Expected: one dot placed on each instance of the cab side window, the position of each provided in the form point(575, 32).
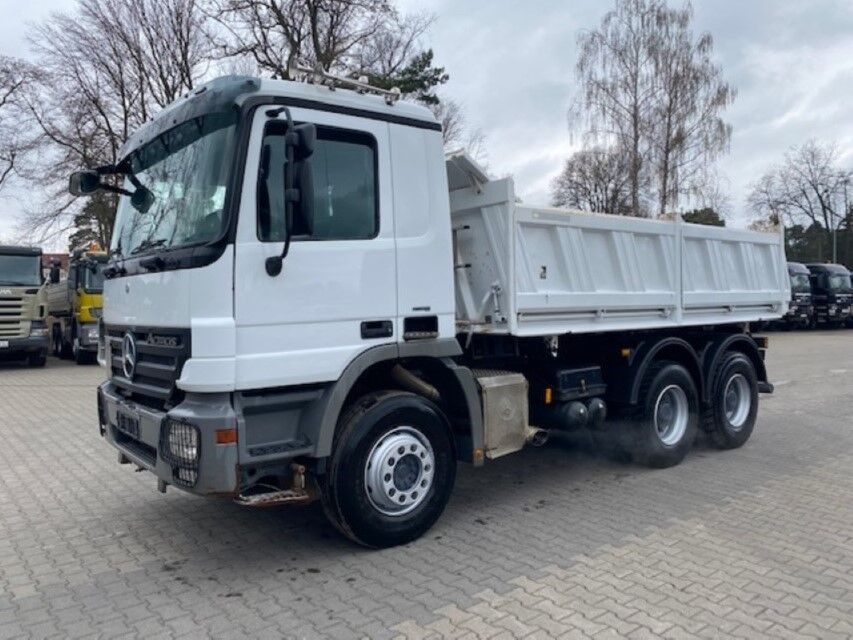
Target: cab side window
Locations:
point(346, 194)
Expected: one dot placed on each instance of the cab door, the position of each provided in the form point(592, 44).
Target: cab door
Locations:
point(336, 295)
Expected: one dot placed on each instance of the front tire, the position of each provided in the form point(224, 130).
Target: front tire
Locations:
point(391, 471)
point(37, 360)
point(663, 429)
point(730, 419)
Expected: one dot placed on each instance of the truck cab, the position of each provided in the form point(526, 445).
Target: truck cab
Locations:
point(832, 293)
point(23, 333)
point(75, 305)
point(801, 308)
point(305, 299)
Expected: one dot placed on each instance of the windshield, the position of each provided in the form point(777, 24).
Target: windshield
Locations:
point(186, 172)
point(24, 271)
point(800, 283)
point(839, 282)
point(93, 281)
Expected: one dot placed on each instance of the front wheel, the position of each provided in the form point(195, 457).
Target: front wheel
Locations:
point(391, 471)
point(37, 360)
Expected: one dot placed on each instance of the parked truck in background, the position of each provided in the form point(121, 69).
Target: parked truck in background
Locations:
point(75, 305)
point(305, 299)
point(832, 293)
point(801, 306)
point(23, 333)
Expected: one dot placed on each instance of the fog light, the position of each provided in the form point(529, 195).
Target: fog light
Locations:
point(180, 447)
point(183, 443)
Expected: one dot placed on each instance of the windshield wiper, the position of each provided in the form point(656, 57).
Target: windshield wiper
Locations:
point(145, 245)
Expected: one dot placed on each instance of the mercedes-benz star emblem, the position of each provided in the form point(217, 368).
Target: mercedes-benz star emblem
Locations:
point(128, 355)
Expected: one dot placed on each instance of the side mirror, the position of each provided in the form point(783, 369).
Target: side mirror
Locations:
point(306, 136)
point(54, 274)
point(84, 183)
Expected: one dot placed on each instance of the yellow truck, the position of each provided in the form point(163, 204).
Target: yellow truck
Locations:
point(74, 306)
point(23, 333)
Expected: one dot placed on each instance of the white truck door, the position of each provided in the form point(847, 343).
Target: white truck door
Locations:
point(337, 293)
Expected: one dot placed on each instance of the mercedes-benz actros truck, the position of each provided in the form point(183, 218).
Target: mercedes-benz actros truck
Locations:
point(305, 299)
point(23, 333)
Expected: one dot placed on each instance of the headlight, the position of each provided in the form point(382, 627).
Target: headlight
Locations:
point(180, 447)
point(38, 329)
point(96, 312)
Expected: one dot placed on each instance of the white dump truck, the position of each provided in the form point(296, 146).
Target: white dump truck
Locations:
point(306, 299)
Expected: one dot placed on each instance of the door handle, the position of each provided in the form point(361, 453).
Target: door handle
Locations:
point(376, 329)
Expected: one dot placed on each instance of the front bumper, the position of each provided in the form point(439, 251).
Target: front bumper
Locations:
point(834, 313)
point(799, 313)
point(88, 337)
point(217, 463)
point(29, 345)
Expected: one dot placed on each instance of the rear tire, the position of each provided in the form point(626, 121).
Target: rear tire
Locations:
point(376, 495)
point(730, 418)
point(664, 426)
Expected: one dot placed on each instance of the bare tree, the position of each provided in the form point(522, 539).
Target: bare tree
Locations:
point(355, 37)
point(809, 188)
point(615, 68)
point(686, 132)
point(593, 180)
point(652, 91)
point(14, 76)
point(103, 71)
point(456, 131)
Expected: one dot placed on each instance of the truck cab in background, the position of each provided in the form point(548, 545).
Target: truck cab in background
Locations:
point(801, 309)
point(75, 305)
point(832, 293)
point(23, 333)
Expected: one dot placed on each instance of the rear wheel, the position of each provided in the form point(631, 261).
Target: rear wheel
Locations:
point(663, 428)
point(730, 418)
point(391, 471)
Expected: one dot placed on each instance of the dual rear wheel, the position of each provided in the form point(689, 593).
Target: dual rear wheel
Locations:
point(661, 430)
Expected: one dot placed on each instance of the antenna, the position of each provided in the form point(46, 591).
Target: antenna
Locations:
point(301, 72)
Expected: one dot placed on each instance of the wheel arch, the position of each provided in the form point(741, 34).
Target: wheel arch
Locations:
point(716, 350)
point(670, 348)
point(370, 371)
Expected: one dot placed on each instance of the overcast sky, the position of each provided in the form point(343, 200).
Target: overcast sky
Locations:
point(512, 66)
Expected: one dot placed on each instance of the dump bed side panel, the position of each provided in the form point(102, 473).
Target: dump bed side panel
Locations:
point(539, 271)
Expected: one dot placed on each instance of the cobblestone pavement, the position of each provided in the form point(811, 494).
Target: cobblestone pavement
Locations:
point(756, 542)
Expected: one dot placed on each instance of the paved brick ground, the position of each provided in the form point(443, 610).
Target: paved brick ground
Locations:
point(556, 542)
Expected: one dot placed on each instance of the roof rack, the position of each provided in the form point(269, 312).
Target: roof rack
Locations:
point(302, 72)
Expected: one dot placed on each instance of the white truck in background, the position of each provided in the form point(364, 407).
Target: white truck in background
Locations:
point(305, 299)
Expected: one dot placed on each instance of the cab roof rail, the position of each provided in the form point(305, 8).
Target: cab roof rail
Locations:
point(302, 72)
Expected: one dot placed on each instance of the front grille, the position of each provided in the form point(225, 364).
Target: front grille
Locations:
point(12, 324)
point(160, 357)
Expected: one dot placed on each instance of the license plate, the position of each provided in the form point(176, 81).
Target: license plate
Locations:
point(4, 344)
point(127, 421)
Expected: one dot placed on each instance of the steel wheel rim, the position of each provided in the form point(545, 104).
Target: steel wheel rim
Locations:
point(399, 471)
point(672, 414)
point(737, 401)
